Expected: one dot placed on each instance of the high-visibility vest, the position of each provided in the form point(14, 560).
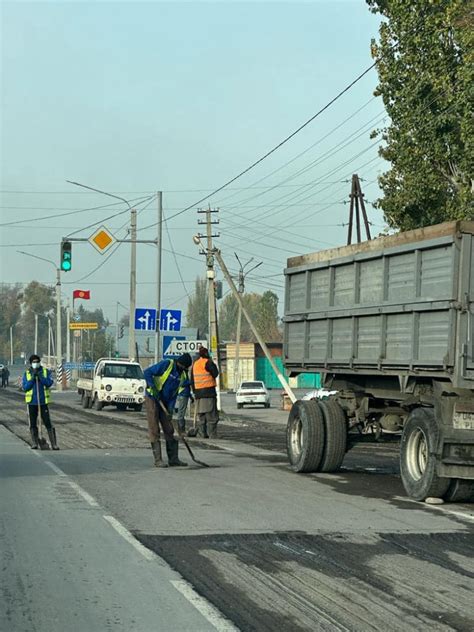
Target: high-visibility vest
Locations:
point(29, 394)
point(159, 380)
point(202, 378)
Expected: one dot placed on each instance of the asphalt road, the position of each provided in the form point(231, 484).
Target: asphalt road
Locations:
point(268, 549)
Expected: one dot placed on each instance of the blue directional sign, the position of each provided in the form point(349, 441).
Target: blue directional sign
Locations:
point(170, 320)
point(168, 351)
point(145, 319)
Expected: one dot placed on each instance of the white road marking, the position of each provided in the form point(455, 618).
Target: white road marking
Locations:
point(207, 610)
point(55, 468)
point(442, 508)
point(125, 533)
point(90, 500)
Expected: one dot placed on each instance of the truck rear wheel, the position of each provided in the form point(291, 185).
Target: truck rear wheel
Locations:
point(335, 446)
point(305, 436)
point(417, 456)
point(460, 491)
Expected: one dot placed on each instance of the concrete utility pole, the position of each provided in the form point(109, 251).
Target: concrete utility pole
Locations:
point(211, 275)
point(158, 275)
point(36, 333)
point(11, 344)
point(133, 284)
point(241, 290)
point(259, 338)
point(68, 334)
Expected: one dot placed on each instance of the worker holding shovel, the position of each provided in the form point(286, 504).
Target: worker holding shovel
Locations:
point(164, 381)
point(37, 381)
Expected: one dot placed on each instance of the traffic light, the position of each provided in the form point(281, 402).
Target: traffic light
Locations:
point(120, 331)
point(218, 288)
point(66, 256)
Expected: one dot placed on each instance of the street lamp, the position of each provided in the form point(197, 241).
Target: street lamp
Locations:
point(59, 358)
point(133, 262)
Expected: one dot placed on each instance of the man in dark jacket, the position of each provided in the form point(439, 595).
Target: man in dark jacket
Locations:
point(36, 383)
point(204, 384)
point(164, 381)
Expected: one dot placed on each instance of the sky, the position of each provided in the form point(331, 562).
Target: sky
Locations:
point(137, 97)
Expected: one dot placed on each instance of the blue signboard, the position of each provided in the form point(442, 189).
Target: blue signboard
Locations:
point(145, 319)
point(167, 351)
point(170, 320)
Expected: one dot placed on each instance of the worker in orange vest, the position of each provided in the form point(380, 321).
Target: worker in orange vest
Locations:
point(203, 381)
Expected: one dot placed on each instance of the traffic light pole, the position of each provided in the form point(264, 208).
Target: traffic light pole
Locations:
point(59, 342)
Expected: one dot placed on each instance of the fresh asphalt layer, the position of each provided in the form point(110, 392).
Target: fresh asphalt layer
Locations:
point(270, 549)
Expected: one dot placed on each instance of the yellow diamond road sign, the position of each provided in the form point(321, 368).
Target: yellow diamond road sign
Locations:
point(102, 240)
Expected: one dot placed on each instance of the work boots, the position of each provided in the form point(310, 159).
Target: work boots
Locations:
point(34, 438)
point(52, 438)
point(212, 429)
point(156, 447)
point(172, 451)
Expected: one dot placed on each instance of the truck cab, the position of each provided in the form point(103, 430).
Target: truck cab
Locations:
point(115, 382)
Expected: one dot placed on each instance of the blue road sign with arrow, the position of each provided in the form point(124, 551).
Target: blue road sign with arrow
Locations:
point(170, 320)
point(145, 319)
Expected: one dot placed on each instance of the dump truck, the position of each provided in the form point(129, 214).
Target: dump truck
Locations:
point(114, 382)
point(389, 325)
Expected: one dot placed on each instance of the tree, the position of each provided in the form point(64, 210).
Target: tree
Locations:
point(10, 300)
point(197, 314)
point(38, 299)
point(261, 308)
point(95, 343)
point(426, 80)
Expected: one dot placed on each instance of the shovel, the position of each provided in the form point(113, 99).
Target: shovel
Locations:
point(182, 437)
point(192, 432)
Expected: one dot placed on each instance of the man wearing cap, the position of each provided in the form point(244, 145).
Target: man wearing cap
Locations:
point(164, 382)
point(204, 383)
point(36, 383)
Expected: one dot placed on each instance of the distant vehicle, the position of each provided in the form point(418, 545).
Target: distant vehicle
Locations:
point(117, 383)
point(252, 393)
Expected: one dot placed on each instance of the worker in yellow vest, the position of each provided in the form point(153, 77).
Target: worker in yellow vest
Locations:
point(203, 381)
point(164, 381)
point(37, 381)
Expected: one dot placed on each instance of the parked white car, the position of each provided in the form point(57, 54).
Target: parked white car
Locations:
point(250, 393)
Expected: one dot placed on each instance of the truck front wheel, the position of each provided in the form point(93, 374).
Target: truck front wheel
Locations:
point(98, 405)
point(305, 436)
point(85, 400)
point(417, 456)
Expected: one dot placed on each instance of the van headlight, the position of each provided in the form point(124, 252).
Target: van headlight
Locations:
point(108, 387)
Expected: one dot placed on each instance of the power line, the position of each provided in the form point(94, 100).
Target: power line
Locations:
point(280, 144)
point(175, 258)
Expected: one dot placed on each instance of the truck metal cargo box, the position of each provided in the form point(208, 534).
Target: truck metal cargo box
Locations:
point(399, 304)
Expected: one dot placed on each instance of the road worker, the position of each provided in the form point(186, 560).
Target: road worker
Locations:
point(37, 381)
point(164, 380)
point(203, 380)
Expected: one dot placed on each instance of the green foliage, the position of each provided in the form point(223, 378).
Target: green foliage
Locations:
point(95, 343)
point(197, 314)
point(426, 80)
point(263, 310)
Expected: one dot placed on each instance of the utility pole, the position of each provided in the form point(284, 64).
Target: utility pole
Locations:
point(49, 340)
point(133, 284)
point(211, 275)
point(357, 206)
point(68, 334)
point(266, 351)
point(241, 290)
point(36, 334)
point(11, 344)
point(158, 274)
point(59, 345)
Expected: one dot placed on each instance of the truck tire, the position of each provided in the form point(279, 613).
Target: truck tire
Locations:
point(305, 436)
point(335, 446)
point(460, 491)
point(138, 407)
point(97, 404)
point(417, 456)
point(85, 400)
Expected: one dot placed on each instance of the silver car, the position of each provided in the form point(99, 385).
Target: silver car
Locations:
point(250, 393)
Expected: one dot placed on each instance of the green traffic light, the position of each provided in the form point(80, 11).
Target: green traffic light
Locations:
point(66, 266)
